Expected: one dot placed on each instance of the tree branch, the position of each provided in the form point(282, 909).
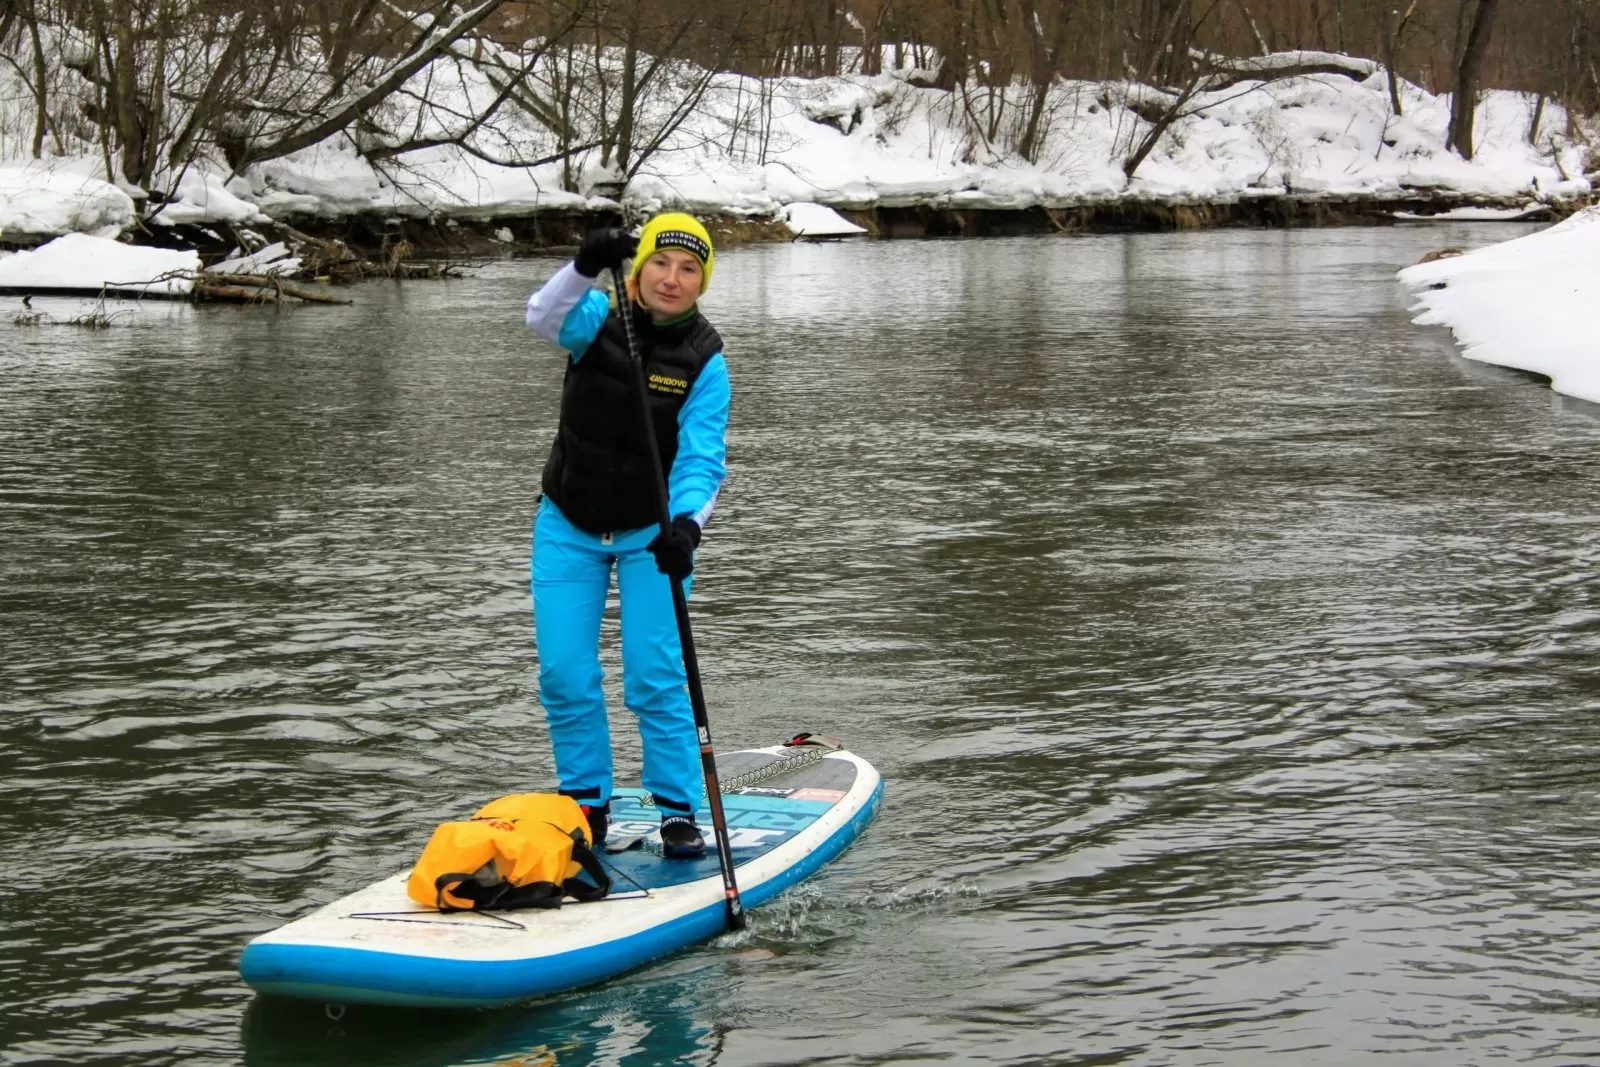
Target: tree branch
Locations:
point(352, 109)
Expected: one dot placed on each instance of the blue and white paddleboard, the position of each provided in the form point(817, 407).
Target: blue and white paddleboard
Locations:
point(790, 809)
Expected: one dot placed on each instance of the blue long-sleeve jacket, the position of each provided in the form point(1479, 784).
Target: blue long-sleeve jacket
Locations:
point(567, 311)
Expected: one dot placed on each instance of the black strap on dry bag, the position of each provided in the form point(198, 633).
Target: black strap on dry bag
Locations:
point(584, 857)
point(503, 896)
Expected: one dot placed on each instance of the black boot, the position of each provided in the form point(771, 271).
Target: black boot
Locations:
point(599, 823)
point(680, 838)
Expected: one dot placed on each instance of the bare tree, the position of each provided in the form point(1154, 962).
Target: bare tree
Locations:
point(1161, 21)
point(1393, 28)
point(1045, 46)
point(19, 23)
point(155, 85)
point(1475, 25)
point(338, 108)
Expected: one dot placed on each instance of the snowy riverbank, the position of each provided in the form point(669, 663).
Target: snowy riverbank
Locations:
point(1526, 304)
point(881, 142)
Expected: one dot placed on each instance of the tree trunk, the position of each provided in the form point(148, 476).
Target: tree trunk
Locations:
point(1477, 21)
point(211, 96)
point(1160, 125)
point(41, 117)
point(1387, 34)
point(1255, 31)
point(1028, 148)
point(343, 37)
point(830, 57)
point(953, 47)
point(1169, 53)
point(872, 43)
point(564, 109)
point(630, 89)
point(1046, 61)
point(1390, 36)
point(120, 47)
point(155, 111)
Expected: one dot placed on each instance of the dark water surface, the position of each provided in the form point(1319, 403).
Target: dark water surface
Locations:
point(1229, 646)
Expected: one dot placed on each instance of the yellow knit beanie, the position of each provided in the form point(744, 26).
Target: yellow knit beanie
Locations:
point(675, 230)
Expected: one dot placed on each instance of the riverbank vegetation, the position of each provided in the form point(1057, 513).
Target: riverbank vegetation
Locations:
point(194, 102)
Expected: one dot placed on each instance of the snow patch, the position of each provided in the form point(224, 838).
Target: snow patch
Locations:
point(1477, 214)
point(204, 198)
point(814, 220)
point(273, 259)
point(43, 199)
point(80, 261)
point(1525, 303)
point(863, 141)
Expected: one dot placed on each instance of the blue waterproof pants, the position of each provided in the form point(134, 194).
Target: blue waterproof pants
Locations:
point(571, 573)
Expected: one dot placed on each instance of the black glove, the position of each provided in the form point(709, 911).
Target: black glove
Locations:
point(674, 549)
point(604, 250)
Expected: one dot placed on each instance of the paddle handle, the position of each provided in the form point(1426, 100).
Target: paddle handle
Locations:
point(680, 608)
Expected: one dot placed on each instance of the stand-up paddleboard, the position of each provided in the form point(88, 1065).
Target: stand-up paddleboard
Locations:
point(790, 809)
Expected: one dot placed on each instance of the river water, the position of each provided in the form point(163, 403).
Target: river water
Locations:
point(1227, 642)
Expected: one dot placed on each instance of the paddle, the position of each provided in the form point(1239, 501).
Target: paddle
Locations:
point(680, 607)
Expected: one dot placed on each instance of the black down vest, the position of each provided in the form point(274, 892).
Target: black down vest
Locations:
point(598, 473)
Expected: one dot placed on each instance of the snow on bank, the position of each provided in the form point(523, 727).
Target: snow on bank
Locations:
point(1525, 213)
point(872, 141)
point(864, 142)
point(41, 199)
point(814, 220)
point(88, 264)
point(1527, 304)
point(203, 198)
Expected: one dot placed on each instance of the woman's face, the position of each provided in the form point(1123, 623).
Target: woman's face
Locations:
point(670, 282)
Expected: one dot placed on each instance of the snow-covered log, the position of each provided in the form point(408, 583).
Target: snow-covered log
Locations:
point(1229, 71)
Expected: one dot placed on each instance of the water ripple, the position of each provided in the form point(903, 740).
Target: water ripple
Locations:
point(1227, 643)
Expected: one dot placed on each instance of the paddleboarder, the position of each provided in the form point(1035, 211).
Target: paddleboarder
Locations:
point(598, 512)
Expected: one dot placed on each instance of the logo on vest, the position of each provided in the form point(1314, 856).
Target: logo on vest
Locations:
point(663, 383)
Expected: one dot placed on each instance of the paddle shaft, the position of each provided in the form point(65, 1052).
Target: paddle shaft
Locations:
point(680, 608)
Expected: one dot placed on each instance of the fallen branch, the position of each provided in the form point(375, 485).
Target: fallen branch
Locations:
point(262, 288)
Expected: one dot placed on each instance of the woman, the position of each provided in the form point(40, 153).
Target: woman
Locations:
point(598, 510)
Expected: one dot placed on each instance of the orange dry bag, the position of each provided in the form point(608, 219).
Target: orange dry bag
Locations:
point(524, 851)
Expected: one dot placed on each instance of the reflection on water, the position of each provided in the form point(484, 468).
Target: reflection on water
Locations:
point(1228, 645)
point(655, 1017)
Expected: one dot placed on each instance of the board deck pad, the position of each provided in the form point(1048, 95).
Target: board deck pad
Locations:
point(760, 818)
point(789, 811)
